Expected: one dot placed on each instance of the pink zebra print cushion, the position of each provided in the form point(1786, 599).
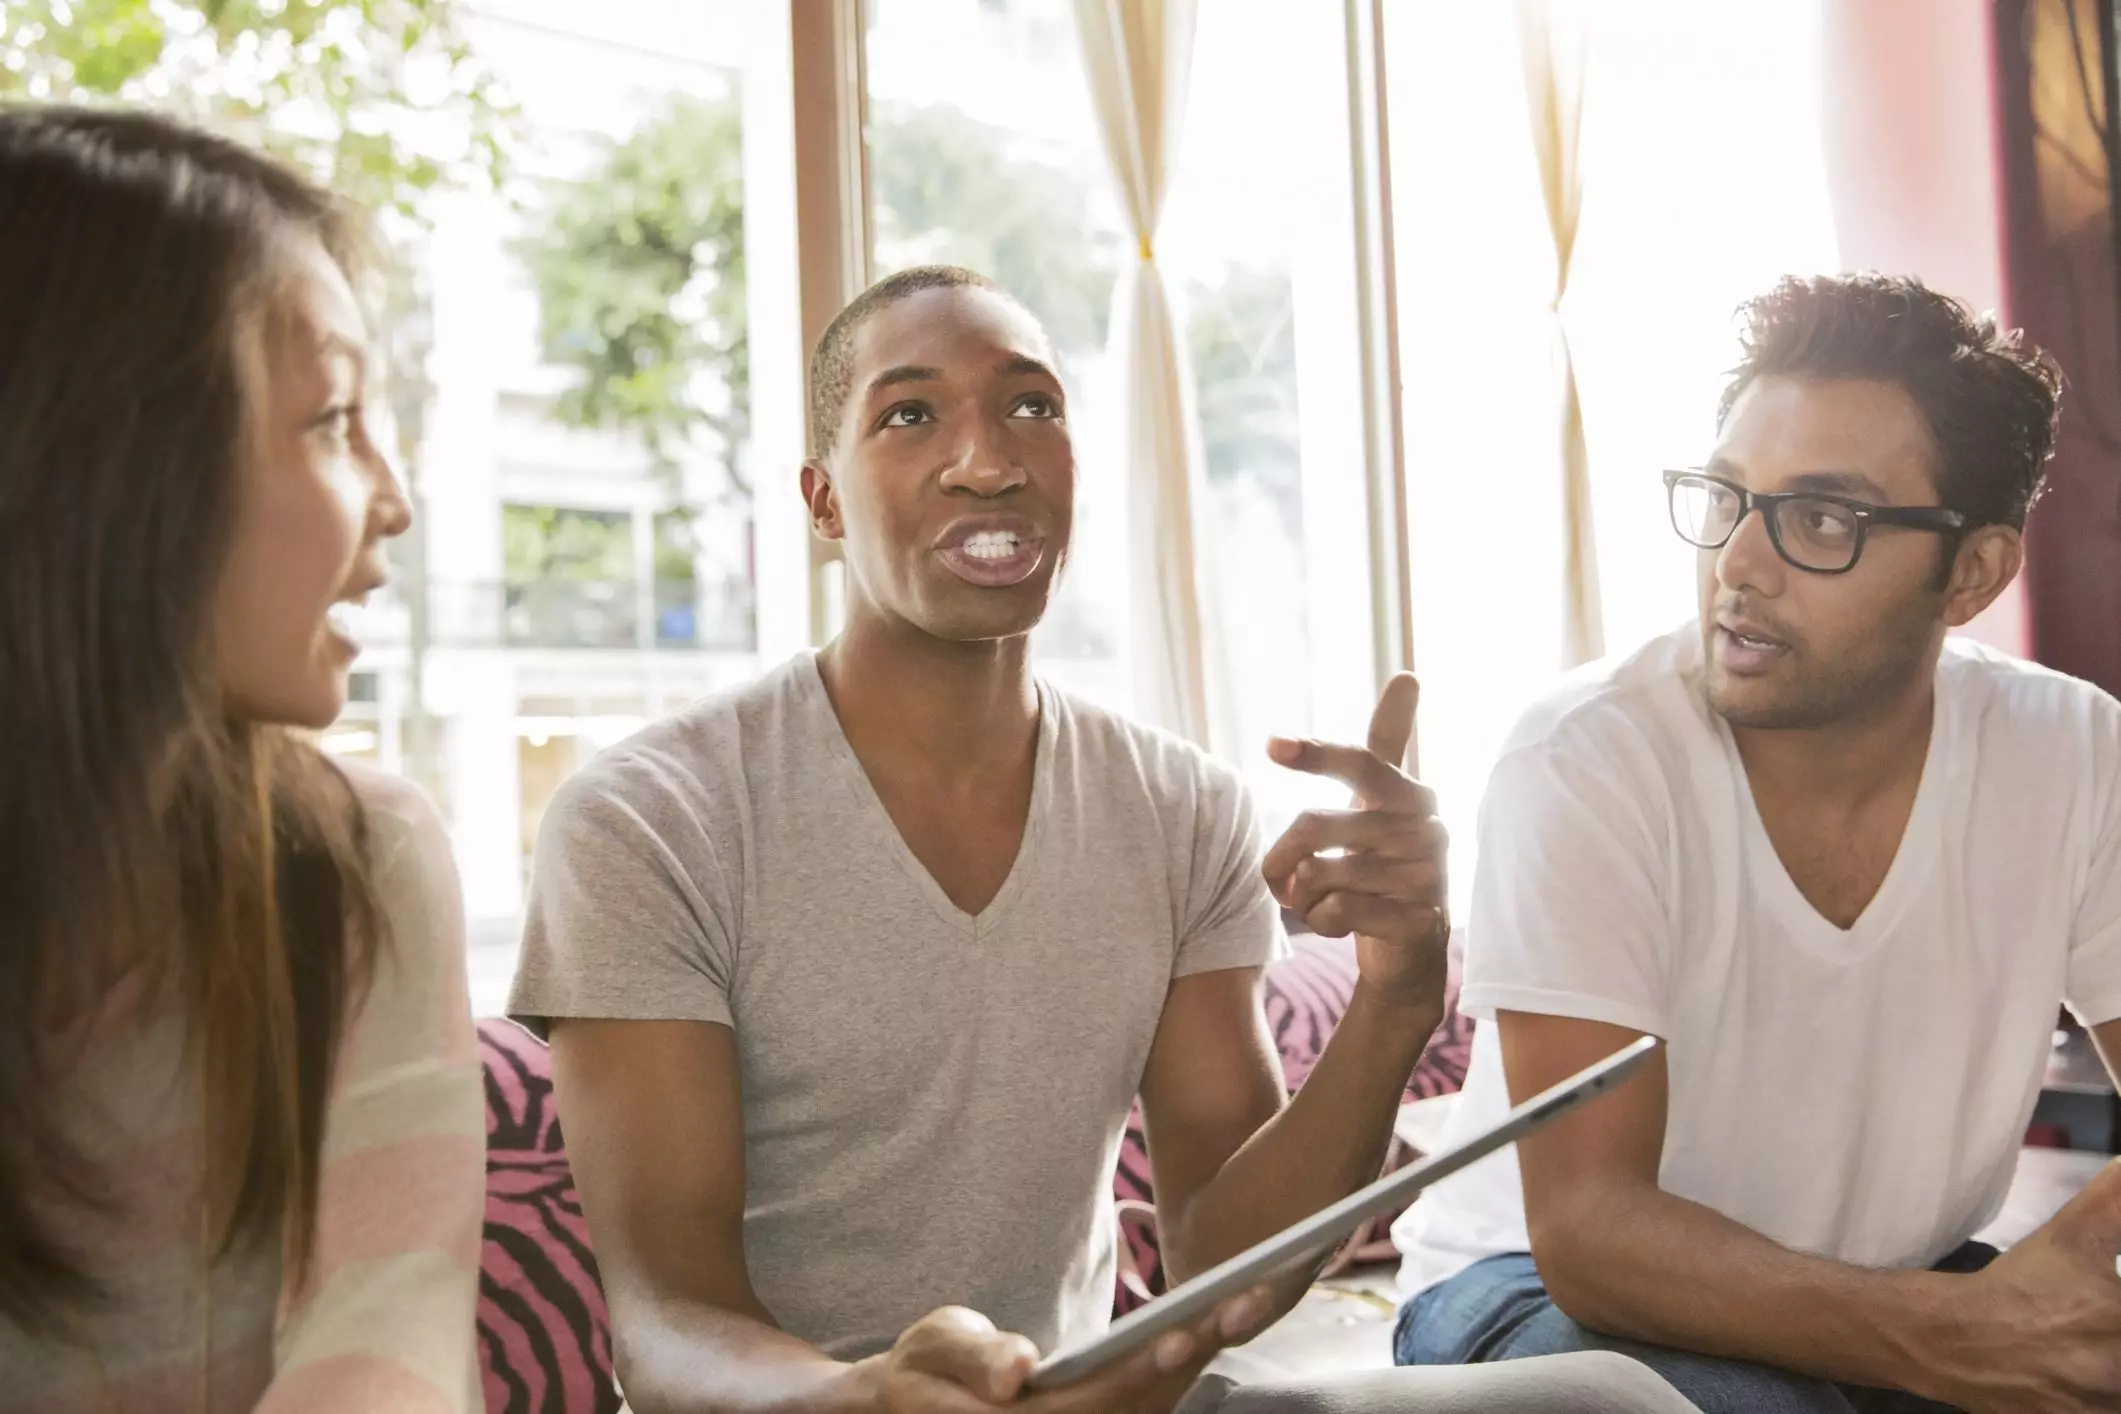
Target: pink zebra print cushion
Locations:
point(544, 1334)
point(1306, 995)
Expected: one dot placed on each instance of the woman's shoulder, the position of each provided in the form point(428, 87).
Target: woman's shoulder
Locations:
point(413, 879)
point(408, 845)
point(396, 809)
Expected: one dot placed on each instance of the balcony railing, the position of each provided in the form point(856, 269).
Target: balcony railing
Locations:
point(569, 613)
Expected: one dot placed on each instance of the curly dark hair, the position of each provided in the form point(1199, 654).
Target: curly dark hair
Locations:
point(1989, 397)
point(832, 362)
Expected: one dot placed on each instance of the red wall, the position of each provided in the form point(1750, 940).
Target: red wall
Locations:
point(2060, 255)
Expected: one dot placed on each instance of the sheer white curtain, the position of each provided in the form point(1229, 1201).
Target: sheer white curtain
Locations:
point(1138, 55)
point(1554, 40)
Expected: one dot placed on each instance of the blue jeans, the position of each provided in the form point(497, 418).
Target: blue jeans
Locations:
point(1498, 1310)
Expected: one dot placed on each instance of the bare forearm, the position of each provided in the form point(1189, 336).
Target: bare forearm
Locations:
point(1643, 1264)
point(1327, 1142)
point(686, 1356)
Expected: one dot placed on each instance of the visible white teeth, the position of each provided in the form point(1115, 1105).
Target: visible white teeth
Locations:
point(1751, 642)
point(343, 617)
point(991, 545)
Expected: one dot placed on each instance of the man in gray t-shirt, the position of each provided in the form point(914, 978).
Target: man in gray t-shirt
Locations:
point(852, 974)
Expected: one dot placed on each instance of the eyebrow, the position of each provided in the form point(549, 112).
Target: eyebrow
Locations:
point(904, 373)
point(338, 346)
point(1018, 366)
point(1841, 483)
point(1832, 483)
point(1024, 364)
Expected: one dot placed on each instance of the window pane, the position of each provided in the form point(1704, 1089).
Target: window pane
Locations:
point(1259, 240)
point(585, 446)
point(1480, 367)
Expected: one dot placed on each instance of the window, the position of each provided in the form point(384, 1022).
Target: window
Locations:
point(586, 554)
point(1259, 238)
point(597, 374)
point(570, 580)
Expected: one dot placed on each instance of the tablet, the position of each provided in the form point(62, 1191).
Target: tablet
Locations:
point(1190, 1301)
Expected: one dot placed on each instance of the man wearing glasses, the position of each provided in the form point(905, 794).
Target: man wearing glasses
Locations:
point(1848, 869)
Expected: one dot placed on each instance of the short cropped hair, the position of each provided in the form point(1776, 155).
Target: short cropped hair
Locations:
point(832, 362)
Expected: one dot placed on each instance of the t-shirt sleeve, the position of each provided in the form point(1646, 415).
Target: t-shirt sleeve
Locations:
point(629, 908)
point(2094, 986)
point(382, 1317)
point(1567, 917)
point(1228, 919)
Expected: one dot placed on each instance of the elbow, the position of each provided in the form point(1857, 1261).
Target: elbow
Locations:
point(644, 1391)
point(1573, 1289)
point(1175, 1246)
point(1570, 1249)
point(649, 1386)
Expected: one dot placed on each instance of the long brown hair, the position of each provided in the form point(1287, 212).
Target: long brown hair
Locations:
point(143, 830)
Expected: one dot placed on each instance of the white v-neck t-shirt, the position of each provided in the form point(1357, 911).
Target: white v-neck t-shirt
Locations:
point(1859, 1095)
point(933, 1102)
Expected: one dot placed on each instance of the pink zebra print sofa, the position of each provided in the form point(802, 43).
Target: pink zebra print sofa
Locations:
point(544, 1332)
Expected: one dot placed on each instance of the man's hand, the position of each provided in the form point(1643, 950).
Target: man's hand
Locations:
point(954, 1361)
point(1377, 870)
point(2039, 1332)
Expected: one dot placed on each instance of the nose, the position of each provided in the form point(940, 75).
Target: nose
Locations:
point(389, 503)
point(1748, 559)
point(983, 465)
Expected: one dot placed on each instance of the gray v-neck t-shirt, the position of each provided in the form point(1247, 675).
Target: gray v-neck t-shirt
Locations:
point(933, 1102)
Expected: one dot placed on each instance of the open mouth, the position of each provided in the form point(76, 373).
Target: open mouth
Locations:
point(345, 617)
point(1747, 653)
point(993, 544)
point(994, 558)
point(340, 618)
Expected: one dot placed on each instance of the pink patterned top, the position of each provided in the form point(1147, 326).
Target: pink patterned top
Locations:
point(385, 1320)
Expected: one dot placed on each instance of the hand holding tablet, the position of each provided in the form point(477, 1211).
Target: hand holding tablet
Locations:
point(954, 1361)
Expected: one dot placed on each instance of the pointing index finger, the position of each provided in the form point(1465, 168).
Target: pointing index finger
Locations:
point(1392, 724)
point(1375, 783)
point(1375, 774)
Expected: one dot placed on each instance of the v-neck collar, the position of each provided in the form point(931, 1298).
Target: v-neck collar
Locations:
point(1912, 859)
point(871, 804)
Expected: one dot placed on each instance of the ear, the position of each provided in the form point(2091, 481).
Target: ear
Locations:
point(1988, 560)
point(823, 501)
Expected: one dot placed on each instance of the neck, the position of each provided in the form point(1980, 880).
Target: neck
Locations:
point(958, 710)
point(1843, 766)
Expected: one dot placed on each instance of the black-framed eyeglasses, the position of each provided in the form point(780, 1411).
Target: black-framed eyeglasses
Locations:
point(1813, 531)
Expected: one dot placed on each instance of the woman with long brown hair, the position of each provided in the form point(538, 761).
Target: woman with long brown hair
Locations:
point(240, 1124)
